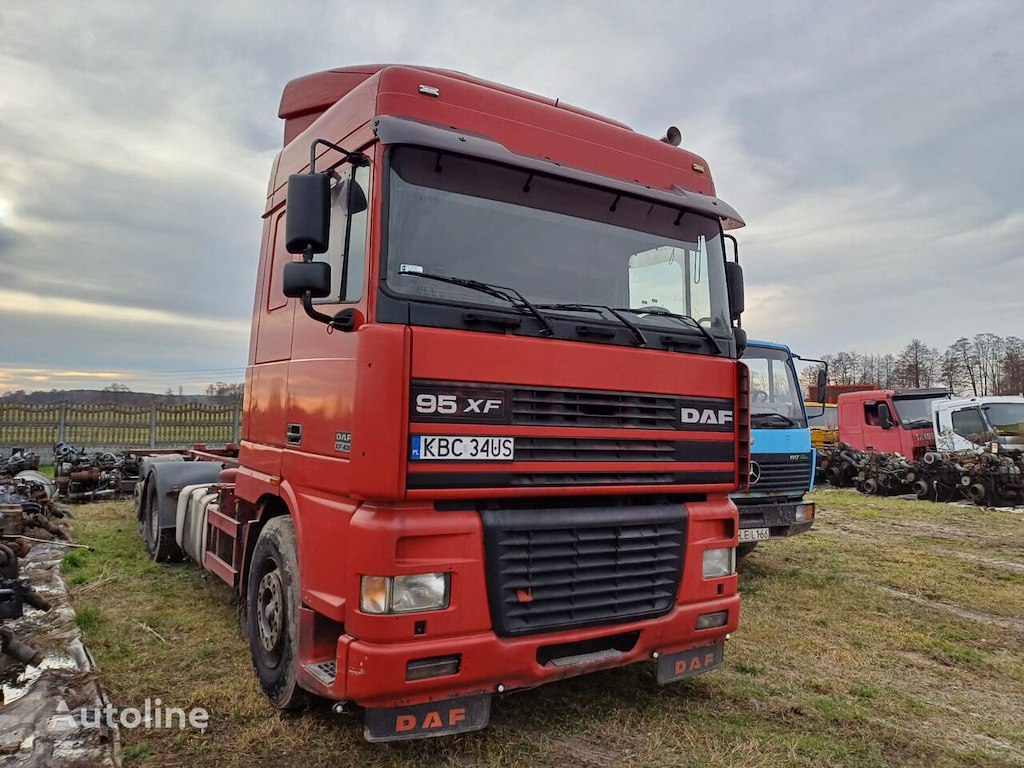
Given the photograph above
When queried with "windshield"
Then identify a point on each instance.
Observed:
(553, 241)
(915, 412)
(827, 420)
(775, 400)
(1007, 419)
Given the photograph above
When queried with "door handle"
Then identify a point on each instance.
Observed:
(293, 435)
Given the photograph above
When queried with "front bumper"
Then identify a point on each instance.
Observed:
(374, 674)
(782, 518)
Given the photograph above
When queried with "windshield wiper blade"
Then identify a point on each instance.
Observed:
(656, 310)
(786, 419)
(641, 341)
(498, 291)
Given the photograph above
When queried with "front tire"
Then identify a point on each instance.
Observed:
(272, 602)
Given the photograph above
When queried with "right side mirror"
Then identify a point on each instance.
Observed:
(734, 283)
(302, 276)
(308, 220)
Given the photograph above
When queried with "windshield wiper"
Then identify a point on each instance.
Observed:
(656, 310)
(787, 421)
(641, 341)
(511, 295)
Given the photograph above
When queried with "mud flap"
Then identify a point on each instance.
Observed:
(684, 664)
(435, 718)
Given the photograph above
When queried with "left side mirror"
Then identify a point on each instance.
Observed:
(308, 221)
(734, 283)
(302, 276)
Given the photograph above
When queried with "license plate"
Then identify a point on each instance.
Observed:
(684, 664)
(755, 534)
(462, 448)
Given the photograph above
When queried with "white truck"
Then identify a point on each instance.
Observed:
(971, 423)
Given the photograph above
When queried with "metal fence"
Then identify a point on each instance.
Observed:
(116, 427)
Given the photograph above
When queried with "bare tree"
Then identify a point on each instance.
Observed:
(915, 365)
(1013, 366)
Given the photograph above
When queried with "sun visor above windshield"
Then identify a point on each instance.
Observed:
(399, 130)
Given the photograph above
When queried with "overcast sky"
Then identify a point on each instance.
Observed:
(874, 148)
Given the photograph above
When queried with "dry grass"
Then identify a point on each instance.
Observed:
(886, 636)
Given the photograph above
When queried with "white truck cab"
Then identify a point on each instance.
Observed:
(972, 423)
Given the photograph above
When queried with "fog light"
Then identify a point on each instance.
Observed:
(804, 512)
(719, 562)
(710, 620)
(435, 666)
(404, 594)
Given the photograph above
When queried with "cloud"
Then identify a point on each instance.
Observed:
(871, 148)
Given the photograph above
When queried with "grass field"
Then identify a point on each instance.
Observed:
(892, 634)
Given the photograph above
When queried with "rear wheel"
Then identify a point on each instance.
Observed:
(160, 542)
(272, 600)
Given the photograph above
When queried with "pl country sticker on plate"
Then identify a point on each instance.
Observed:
(462, 448)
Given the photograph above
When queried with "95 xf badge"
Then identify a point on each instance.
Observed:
(462, 448)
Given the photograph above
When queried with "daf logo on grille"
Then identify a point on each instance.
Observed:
(755, 472)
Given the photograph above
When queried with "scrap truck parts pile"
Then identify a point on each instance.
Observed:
(15, 593)
(85, 476)
(28, 512)
(19, 460)
(987, 478)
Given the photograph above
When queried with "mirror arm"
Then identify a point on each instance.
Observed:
(345, 320)
(356, 158)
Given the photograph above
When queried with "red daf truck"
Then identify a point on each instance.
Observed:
(493, 409)
(889, 420)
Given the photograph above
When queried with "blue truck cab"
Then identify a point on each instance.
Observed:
(781, 457)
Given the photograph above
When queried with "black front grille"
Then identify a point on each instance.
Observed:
(589, 408)
(780, 471)
(559, 568)
(604, 449)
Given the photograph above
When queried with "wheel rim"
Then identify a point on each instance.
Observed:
(270, 615)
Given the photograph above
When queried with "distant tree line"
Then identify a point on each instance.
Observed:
(120, 394)
(985, 364)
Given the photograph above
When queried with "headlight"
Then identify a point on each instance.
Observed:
(719, 562)
(404, 594)
(420, 592)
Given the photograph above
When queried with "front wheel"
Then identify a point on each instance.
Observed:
(272, 599)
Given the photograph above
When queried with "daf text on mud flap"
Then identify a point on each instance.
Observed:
(462, 448)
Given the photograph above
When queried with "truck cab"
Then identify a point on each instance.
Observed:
(889, 420)
(782, 459)
(972, 423)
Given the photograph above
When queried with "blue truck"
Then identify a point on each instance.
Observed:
(781, 456)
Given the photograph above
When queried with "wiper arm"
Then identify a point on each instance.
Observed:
(498, 291)
(641, 341)
(656, 310)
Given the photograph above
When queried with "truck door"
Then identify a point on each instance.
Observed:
(968, 426)
(273, 341)
(877, 438)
